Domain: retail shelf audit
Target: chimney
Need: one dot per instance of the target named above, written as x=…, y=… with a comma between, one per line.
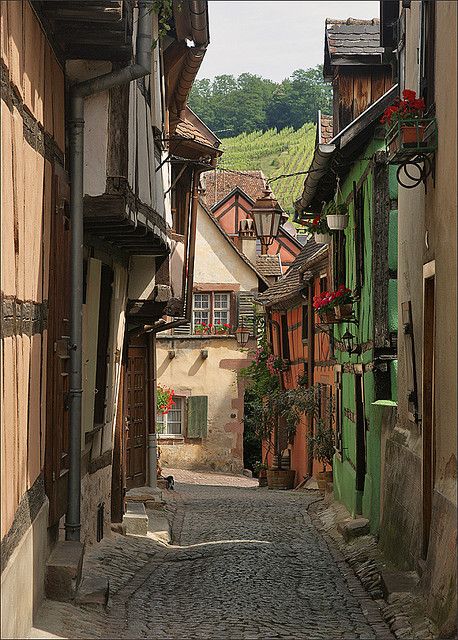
x=247, y=239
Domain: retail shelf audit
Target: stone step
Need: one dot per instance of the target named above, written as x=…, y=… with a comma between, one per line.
x=398, y=582
x=353, y=528
x=63, y=570
x=148, y=495
x=135, y=519
x=93, y=590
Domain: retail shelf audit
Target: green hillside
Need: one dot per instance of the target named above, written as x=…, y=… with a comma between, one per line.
x=274, y=152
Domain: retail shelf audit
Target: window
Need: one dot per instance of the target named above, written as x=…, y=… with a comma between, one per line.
x=284, y=338
x=305, y=321
x=338, y=387
x=358, y=203
x=201, y=312
x=427, y=50
x=172, y=423
x=323, y=284
x=211, y=308
x=221, y=308
x=106, y=282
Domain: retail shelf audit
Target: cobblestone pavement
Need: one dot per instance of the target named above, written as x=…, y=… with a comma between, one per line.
x=245, y=563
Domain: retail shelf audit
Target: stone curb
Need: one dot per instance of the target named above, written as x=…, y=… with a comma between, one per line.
x=400, y=611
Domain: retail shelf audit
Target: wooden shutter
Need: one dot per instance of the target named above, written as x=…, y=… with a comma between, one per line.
x=184, y=330
x=197, y=416
x=246, y=309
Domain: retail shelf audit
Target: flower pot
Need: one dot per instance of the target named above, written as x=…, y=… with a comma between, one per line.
x=412, y=135
x=328, y=316
x=343, y=311
x=322, y=238
x=337, y=222
x=280, y=478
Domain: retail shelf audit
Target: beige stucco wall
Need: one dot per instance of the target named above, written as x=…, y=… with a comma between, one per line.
x=216, y=261
x=187, y=373
x=216, y=377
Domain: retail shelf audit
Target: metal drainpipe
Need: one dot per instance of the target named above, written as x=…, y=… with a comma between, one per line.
x=139, y=69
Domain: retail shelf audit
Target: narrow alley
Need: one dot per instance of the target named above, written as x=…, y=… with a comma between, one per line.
x=243, y=563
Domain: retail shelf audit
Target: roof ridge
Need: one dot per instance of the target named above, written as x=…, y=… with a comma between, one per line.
x=349, y=21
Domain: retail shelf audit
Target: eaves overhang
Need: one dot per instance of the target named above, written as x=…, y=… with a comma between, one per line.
x=318, y=168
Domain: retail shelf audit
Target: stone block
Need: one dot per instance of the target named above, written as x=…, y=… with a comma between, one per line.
x=63, y=570
x=144, y=494
x=353, y=528
x=93, y=590
x=248, y=473
x=135, y=519
x=398, y=582
x=158, y=527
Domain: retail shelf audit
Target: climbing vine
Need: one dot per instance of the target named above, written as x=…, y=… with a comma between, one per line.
x=164, y=11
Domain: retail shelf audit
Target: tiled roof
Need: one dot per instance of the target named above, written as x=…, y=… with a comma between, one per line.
x=326, y=130
x=351, y=37
x=269, y=265
x=292, y=282
x=188, y=130
x=219, y=183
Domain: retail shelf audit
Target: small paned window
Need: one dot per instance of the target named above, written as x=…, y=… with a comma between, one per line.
x=171, y=424
x=305, y=321
x=212, y=308
x=221, y=308
x=284, y=338
x=201, y=311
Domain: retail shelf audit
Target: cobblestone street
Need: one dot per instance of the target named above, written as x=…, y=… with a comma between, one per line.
x=244, y=563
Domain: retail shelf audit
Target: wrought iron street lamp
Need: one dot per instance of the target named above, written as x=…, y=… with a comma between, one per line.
x=242, y=335
x=267, y=215
x=350, y=347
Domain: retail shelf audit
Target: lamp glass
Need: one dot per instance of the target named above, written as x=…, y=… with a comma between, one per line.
x=242, y=336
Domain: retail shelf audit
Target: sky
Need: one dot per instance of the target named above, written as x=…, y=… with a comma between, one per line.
x=272, y=38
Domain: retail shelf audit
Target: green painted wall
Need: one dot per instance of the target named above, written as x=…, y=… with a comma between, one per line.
x=367, y=502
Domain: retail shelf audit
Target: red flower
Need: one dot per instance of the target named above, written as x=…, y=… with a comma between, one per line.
x=409, y=95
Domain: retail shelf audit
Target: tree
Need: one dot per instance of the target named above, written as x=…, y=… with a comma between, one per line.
x=231, y=106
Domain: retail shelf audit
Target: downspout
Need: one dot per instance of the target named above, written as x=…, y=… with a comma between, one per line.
x=140, y=68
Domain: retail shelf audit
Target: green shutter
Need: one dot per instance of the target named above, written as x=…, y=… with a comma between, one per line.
x=197, y=416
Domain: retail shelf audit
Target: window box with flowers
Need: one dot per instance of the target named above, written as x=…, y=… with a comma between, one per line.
x=320, y=229
x=334, y=306
x=409, y=131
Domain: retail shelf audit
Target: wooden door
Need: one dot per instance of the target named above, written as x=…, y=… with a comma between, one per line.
x=135, y=417
x=360, y=433
x=56, y=448
x=428, y=408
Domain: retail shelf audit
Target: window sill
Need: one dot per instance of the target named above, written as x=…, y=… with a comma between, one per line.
x=193, y=336
x=173, y=439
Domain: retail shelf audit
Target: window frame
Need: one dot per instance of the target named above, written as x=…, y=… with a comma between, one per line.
x=212, y=308
x=163, y=419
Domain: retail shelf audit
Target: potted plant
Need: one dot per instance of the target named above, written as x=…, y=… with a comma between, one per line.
x=319, y=227
x=404, y=120
x=164, y=399
x=322, y=446
x=202, y=328
x=324, y=305
x=260, y=469
x=343, y=302
x=336, y=215
x=222, y=329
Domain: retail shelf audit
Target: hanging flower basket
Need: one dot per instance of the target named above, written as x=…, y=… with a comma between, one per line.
x=319, y=227
x=336, y=216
